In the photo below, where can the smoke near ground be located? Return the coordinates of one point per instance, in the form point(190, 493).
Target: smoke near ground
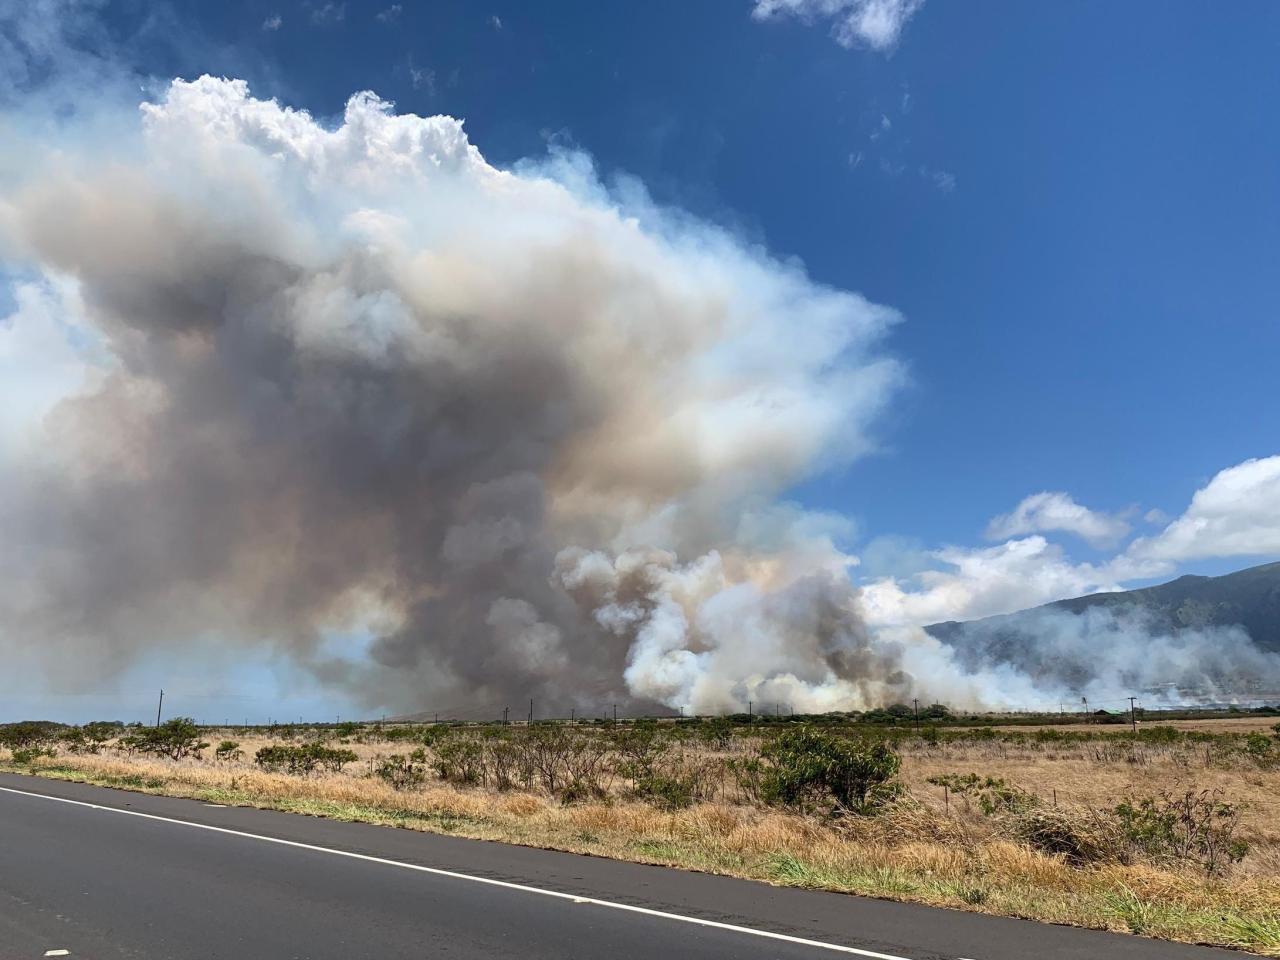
point(430, 430)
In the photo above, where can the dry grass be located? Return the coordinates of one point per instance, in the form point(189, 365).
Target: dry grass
point(919, 850)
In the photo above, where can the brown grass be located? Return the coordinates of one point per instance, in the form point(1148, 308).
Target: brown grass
point(920, 849)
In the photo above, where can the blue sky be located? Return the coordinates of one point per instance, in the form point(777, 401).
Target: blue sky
point(1075, 207)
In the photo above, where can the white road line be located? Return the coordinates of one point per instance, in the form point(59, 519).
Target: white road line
point(57, 953)
point(627, 907)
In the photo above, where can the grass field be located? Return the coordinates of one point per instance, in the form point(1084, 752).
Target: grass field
point(1034, 832)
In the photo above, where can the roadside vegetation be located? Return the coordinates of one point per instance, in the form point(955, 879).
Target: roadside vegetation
point(1168, 832)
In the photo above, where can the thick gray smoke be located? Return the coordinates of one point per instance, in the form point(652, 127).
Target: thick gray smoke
point(526, 432)
point(430, 430)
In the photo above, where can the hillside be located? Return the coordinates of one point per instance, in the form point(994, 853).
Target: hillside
point(1189, 637)
point(1248, 598)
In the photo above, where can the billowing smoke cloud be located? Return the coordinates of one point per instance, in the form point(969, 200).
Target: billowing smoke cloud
point(525, 432)
point(436, 432)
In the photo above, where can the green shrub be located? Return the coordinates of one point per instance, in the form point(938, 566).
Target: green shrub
point(228, 750)
point(27, 755)
point(640, 746)
point(718, 732)
point(1195, 826)
point(304, 759)
point(1258, 747)
point(396, 734)
point(27, 733)
point(460, 760)
point(1162, 735)
point(175, 739)
point(805, 767)
point(668, 791)
point(403, 772)
point(992, 794)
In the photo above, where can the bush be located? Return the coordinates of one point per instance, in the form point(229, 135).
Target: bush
point(640, 747)
point(28, 755)
point(90, 738)
point(1195, 826)
point(718, 732)
point(1077, 840)
point(460, 760)
point(806, 766)
point(175, 739)
point(992, 793)
point(396, 734)
point(403, 772)
point(228, 750)
point(28, 733)
point(669, 791)
point(1258, 747)
point(302, 760)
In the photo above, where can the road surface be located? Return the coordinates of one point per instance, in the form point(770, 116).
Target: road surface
point(108, 874)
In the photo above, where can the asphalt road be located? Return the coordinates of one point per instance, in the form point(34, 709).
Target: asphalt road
point(109, 874)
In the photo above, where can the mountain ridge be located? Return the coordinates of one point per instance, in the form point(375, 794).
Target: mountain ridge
point(1248, 598)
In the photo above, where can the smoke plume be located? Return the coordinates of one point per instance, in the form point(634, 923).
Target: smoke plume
point(525, 432)
point(433, 431)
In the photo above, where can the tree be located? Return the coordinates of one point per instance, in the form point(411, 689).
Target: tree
point(175, 739)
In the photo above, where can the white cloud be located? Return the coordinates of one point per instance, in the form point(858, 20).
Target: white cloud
point(389, 15)
point(856, 23)
point(495, 21)
point(1053, 510)
point(944, 180)
point(983, 582)
point(329, 14)
point(1237, 514)
point(423, 79)
point(273, 22)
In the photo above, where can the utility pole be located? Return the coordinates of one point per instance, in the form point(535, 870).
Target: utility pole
point(1133, 715)
point(437, 716)
point(531, 713)
point(505, 712)
point(158, 706)
point(1085, 701)
point(750, 705)
point(915, 710)
point(573, 714)
point(615, 714)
